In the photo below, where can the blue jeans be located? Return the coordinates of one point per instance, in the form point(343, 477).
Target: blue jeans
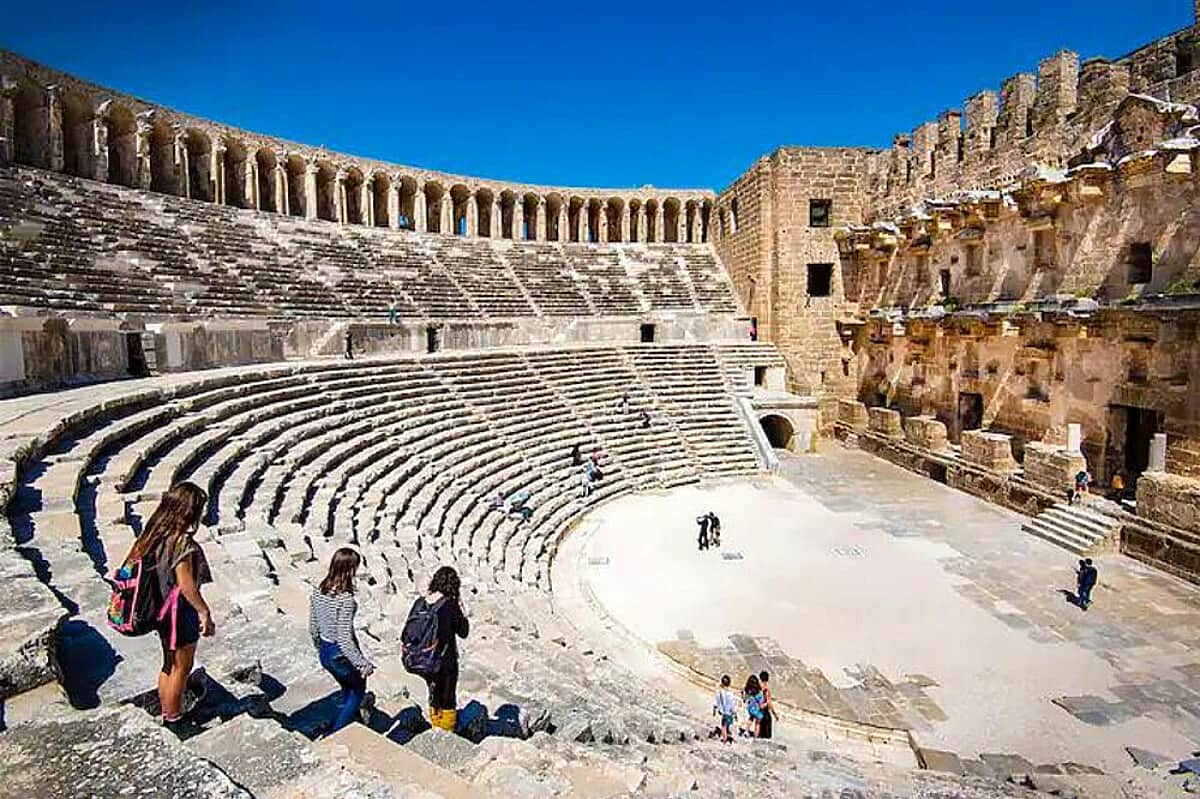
point(1085, 596)
point(354, 685)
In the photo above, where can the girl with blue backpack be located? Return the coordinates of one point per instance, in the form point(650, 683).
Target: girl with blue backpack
point(331, 627)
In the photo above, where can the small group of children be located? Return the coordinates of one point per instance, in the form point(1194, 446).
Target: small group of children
point(759, 709)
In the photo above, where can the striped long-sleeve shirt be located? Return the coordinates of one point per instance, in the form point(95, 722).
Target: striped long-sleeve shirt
point(331, 619)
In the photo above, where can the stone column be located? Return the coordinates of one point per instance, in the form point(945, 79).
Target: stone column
point(660, 223)
point(585, 223)
point(497, 218)
point(394, 203)
point(644, 224)
point(625, 221)
point(310, 188)
point(564, 223)
point(446, 220)
point(145, 126)
point(695, 231)
point(366, 201)
point(472, 216)
point(100, 149)
point(419, 208)
point(341, 205)
point(1158, 453)
point(1074, 437)
point(183, 175)
point(603, 220)
point(518, 219)
point(282, 200)
point(250, 182)
point(540, 220)
point(54, 129)
point(217, 173)
point(8, 90)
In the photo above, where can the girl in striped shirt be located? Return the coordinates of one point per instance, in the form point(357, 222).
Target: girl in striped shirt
point(331, 626)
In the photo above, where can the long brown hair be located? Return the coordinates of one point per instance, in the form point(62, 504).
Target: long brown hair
point(178, 513)
point(342, 567)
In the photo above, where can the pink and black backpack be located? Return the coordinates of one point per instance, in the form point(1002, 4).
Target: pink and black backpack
point(137, 605)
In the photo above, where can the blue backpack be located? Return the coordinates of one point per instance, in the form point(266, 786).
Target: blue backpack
point(420, 645)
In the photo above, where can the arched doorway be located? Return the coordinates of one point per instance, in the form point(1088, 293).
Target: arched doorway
point(779, 431)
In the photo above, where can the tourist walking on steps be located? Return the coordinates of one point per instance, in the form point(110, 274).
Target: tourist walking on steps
point(1086, 580)
point(645, 417)
point(624, 404)
point(714, 530)
point(753, 697)
point(331, 627)
point(725, 709)
point(588, 482)
point(703, 539)
point(576, 455)
point(392, 312)
point(180, 568)
point(349, 345)
point(445, 599)
point(1082, 479)
point(768, 707)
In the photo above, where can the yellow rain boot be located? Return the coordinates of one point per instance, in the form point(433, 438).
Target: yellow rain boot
point(449, 720)
point(435, 717)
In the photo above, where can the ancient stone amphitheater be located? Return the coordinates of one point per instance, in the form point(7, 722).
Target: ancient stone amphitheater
point(178, 294)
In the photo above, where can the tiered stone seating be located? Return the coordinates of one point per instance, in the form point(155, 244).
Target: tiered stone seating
point(78, 246)
point(739, 359)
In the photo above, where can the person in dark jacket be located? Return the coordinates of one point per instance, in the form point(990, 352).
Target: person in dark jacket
point(1086, 576)
point(703, 539)
point(445, 589)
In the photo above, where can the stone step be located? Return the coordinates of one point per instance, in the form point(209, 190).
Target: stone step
point(1057, 536)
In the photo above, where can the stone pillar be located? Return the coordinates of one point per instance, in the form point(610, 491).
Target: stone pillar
point(367, 201)
point(644, 227)
point(54, 129)
point(341, 209)
point(472, 216)
point(310, 188)
point(250, 182)
point(585, 220)
point(446, 219)
point(217, 172)
point(660, 223)
point(282, 201)
point(100, 149)
point(497, 217)
point(564, 223)
point(145, 126)
point(540, 220)
point(419, 208)
point(183, 175)
point(625, 222)
point(695, 227)
point(1158, 453)
point(602, 233)
point(394, 203)
point(518, 223)
point(8, 90)
point(1074, 437)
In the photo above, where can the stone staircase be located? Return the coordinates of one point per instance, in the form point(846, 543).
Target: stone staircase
point(1075, 528)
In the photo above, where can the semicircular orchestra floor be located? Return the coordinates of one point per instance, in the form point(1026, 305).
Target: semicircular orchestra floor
point(877, 596)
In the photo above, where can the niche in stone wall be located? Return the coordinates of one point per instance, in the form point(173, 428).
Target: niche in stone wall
point(1141, 262)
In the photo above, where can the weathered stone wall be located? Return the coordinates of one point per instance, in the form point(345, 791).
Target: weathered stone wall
point(184, 346)
point(885, 422)
point(1052, 468)
point(992, 451)
point(926, 432)
point(1169, 499)
point(40, 352)
point(853, 414)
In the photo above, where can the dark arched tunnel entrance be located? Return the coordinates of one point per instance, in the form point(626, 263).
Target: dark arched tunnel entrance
point(779, 431)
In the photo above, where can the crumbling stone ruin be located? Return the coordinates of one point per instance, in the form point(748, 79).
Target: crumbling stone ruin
point(1004, 298)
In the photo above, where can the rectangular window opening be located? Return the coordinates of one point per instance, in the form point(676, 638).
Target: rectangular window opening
point(760, 375)
point(647, 334)
point(820, 280)
point(820, 213)
point(1141, 262)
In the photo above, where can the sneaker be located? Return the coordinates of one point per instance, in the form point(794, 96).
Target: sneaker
point(366, 708)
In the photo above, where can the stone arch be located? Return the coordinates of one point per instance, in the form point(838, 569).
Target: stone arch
point(554, 206)
point(326, 195)
point(79, 134)
point(460, 197)
point(705, 220)
point(779, 431)
point(529, 209)
point(484, 200)
point(612, 213)
point(652, 231)
point(670, 216)
point(199, 161)
point(234, 164)
point(31, 129)
point(297, 188)
point(164, 170)
point(266, 165)
point(381, 190)
point(433, 204)
point(507, 203)
point(635, 219)
point(595, 218)
point(575, 220)
point(408, 203)
point(352, 185)
point(121, 142)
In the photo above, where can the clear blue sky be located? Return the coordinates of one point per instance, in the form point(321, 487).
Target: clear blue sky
point(584, 93)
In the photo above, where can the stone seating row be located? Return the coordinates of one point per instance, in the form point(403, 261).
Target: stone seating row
point(65, 239)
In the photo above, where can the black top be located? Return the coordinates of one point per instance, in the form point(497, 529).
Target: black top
point(451, 623)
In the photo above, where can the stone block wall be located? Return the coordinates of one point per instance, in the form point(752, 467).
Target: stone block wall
point(38, 352)
point(1052, 468)
point(1169, 499)
point(992, 451)
point(853, 413)
point(886, 422)
point(926, 432)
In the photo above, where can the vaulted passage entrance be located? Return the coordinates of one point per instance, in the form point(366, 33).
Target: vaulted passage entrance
point(779, 431)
